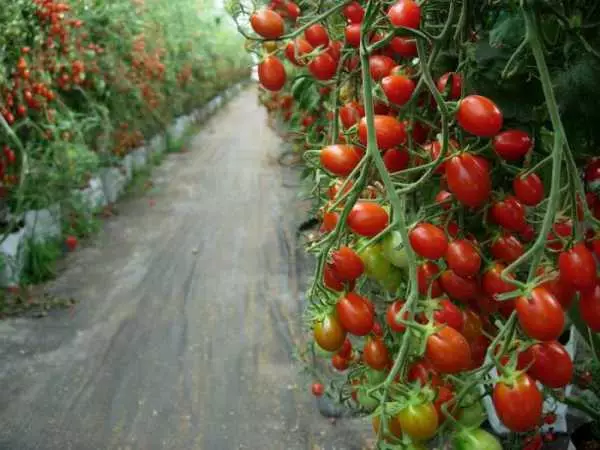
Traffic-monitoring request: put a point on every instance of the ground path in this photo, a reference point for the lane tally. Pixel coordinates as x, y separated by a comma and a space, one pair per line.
188, 311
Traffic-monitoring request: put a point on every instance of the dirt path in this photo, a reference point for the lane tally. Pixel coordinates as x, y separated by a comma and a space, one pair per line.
187, 315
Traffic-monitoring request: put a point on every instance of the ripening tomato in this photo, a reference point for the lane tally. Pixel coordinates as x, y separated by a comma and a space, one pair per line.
267, 23
329, 334
380, 66
323, 67
459, 288
296, 49
340, 159
512, 145
355, 314
529, 189
390, 316
462, 257
347, 265
449, 314
509, 213
428, 240
398, 89
420, 421
519, 404
404, 46
396, 159
339, 363
540, 303
375, 354
456, 85
353, 12
367, 219
405, 13
317, 389
271, 73
552, 365
351, 113
427, 279
317, 35
507, 248
589, 307
352, 34
389, 132
578, 267
479, 116
448, 351
468, 178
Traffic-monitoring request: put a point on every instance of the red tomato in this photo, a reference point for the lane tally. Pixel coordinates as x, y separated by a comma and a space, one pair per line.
512, 145
404, 46
390, 316
323, 67
380, 66
540, 304
331, 280
448, 313
459, 288
479, 116
396, 160
552, 365
578, 267
448, 351
561, 289
423, 372
518, 405
492, 283
427, 279
367, 219
563, 228
267, 23
330, 220
317, 389
428, 241
354, 314
473, 326
444, 397
527, 233
509, 214
397, 88
589, 307
71, 242
353, 12
293, 10
388, 130
434, 149
506, 248
352, 34
444, 199
329, 334
420, 131
317, 35
345, 350
339, 363
462, 257
377, 330
405, 13
340, 159
468, 179
375, 354
479, 347
528, 189
350, 114
271, 73
334, 49
347, 265
455, 88
296, 49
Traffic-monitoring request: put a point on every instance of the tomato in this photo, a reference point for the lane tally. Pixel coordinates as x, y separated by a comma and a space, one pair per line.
340, 363
479, 115
462, 257
334, 49
367, 219
71, 242
366, 401
394, 251
540, 303
380, 269
353, 12
331, 280
423, 372
404, 46
330, 220
448, 351
388, 130
396, 160
518, 405
307, 121
552, 365
380, 66
317, 35
456, 85
479, 346
350, 114
529, 189
468, 178
323, 67
507, 248
427, 279
444, 199
444, 396
397, 88
317, 389
271, 73
473, 326
405, 13
267, 23
459, 288
434, 149
390, 316
420, 422
428, 240
561, 229
512, 145
475, 439
471, 413
340, 159
296, 49
293, 10
528, 233
509, 213
355, 314
375, 354
393, 426
589, 307
578, 267
562, 290
329, 334
449, 314
352, 34
347, 265
492, 282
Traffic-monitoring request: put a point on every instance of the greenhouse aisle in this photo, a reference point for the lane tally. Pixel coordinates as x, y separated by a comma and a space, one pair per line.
188, 310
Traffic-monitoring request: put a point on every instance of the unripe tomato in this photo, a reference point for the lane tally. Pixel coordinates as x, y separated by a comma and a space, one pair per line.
267, 23
271, 73
329, 334
512, 145
479, 115
420, 422
394, 251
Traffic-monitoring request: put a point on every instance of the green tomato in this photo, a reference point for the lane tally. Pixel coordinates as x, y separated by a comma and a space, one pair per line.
394, 251
476, 439
473, 415
375, 377
376, 266
393, 279
366, 401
